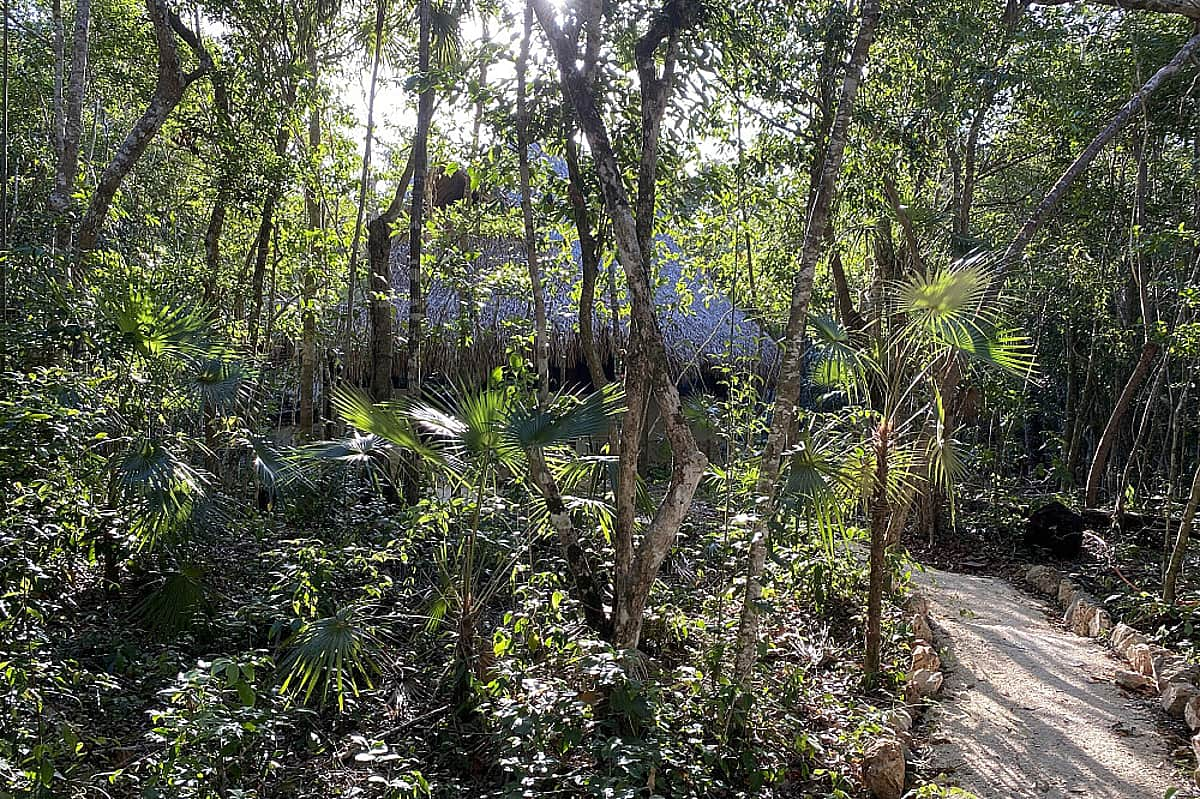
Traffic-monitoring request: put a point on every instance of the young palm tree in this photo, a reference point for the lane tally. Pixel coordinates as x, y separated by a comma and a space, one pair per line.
468, 436
947, 319
886, 443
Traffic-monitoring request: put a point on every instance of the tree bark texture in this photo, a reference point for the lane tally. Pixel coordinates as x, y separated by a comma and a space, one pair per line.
791, 370
636, 566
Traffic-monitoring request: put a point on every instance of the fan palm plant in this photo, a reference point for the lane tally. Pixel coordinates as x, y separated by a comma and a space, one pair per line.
948, 319
337, 654
890, 442
469, 436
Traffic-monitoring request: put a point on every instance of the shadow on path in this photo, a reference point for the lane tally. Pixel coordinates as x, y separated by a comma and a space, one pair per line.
1029, 709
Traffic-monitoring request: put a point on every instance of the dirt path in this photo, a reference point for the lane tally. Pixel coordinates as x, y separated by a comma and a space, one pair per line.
1030, 710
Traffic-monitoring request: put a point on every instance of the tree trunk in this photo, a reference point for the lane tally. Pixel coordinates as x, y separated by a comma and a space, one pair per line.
212, 245
60, 60
1122, 117
1115, 420
1171, 580
413, 366
791, 370
590, 587
69, 130
168, 91
308, 277
635, 568
382, 311
880, 514
541, 343
216, 219
589, 258
368, 141
262, 254
1083, 408
1187, 8
262, 247
4, 263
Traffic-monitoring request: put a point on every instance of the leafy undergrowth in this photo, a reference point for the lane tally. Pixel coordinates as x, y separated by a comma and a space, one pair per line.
324, 656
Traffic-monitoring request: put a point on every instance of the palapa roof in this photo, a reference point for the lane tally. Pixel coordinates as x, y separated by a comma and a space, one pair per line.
472, 322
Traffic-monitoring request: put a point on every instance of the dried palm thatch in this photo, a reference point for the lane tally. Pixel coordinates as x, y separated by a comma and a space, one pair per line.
475, 319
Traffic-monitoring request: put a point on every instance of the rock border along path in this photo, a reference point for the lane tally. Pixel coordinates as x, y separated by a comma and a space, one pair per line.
1030, 710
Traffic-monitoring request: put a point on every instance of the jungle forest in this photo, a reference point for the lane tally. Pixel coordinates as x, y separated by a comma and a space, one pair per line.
623, 399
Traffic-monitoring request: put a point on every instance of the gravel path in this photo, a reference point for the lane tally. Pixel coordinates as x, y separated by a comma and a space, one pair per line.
1030, 710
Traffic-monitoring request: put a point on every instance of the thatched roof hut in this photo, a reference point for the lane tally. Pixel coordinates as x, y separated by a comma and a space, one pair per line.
473, 321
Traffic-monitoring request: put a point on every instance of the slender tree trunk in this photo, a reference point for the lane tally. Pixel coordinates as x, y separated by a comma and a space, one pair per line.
880, 514
589, 258
541, 343
212, 245
1122, 117
635, 568
1083, 409
262, 247
1139, 437
413, 366
368, 141
168, 91
262, 254
1187, 8
60, 61
1115, 420
69, 128
791, 371
4, 262
382, 311
308, 278
1171, 580
590, 587
216, 218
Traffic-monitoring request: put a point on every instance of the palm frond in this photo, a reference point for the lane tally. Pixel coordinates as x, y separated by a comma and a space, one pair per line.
220, 383
337, 654
175, 603
445, 36
162, 486
947, 467
566, 419
152, 328
386, 421
837, 363
959, 308
275, 469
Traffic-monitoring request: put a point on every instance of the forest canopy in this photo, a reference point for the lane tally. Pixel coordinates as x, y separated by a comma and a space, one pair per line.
561, 397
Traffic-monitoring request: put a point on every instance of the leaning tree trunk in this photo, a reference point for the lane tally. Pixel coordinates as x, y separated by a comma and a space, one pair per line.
168, 91
588, 584
1118, 122
1171, 580
791, 370
1115, 420
541, 343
